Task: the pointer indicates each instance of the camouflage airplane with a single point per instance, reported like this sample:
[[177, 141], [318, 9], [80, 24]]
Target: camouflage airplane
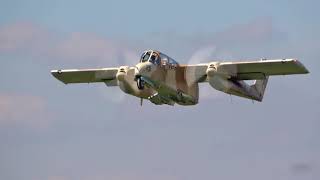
[[160, 79]]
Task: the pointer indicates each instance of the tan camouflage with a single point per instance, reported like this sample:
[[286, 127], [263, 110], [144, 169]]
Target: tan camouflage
[[160, 79]]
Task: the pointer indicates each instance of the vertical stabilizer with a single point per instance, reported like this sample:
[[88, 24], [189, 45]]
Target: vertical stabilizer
[[259, 88]]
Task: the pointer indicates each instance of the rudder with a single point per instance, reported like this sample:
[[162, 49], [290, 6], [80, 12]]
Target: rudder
[[259, 88]]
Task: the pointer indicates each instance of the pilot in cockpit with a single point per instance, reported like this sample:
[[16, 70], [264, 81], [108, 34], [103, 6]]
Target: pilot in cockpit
[[154, 58]]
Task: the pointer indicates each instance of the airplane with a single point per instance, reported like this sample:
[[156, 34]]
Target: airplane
[[161, 80]]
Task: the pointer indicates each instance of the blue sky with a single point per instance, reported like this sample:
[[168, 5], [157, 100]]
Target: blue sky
[[49, 131]]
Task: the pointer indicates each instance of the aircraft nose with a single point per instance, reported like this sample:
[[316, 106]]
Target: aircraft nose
[[142, 69], [136, 71]]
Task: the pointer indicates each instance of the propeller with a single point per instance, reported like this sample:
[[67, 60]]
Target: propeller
[[204, 55]]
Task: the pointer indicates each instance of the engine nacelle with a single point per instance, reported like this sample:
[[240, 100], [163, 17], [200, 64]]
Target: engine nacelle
[[122, 73], [218, 78], [221, 79], [214, 69], [219, 83]]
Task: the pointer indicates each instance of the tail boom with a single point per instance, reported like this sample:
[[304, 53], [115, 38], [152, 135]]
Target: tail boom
[[240, 88]]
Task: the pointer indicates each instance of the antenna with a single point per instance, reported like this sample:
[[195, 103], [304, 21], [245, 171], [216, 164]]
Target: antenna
[[141, 101], [231, 99]]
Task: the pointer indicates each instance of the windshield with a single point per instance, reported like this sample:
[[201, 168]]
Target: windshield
[[157, 58], [145, 57], [150, 56]]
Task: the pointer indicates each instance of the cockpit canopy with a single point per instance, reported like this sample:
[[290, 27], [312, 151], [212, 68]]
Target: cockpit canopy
[[158, 58]]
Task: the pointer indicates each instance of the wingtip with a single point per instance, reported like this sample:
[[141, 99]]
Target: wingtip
[[305, 70], [55, 73]]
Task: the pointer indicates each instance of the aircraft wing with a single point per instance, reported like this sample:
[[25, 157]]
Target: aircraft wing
[[246, 70], [107, 75], [250, 70]]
